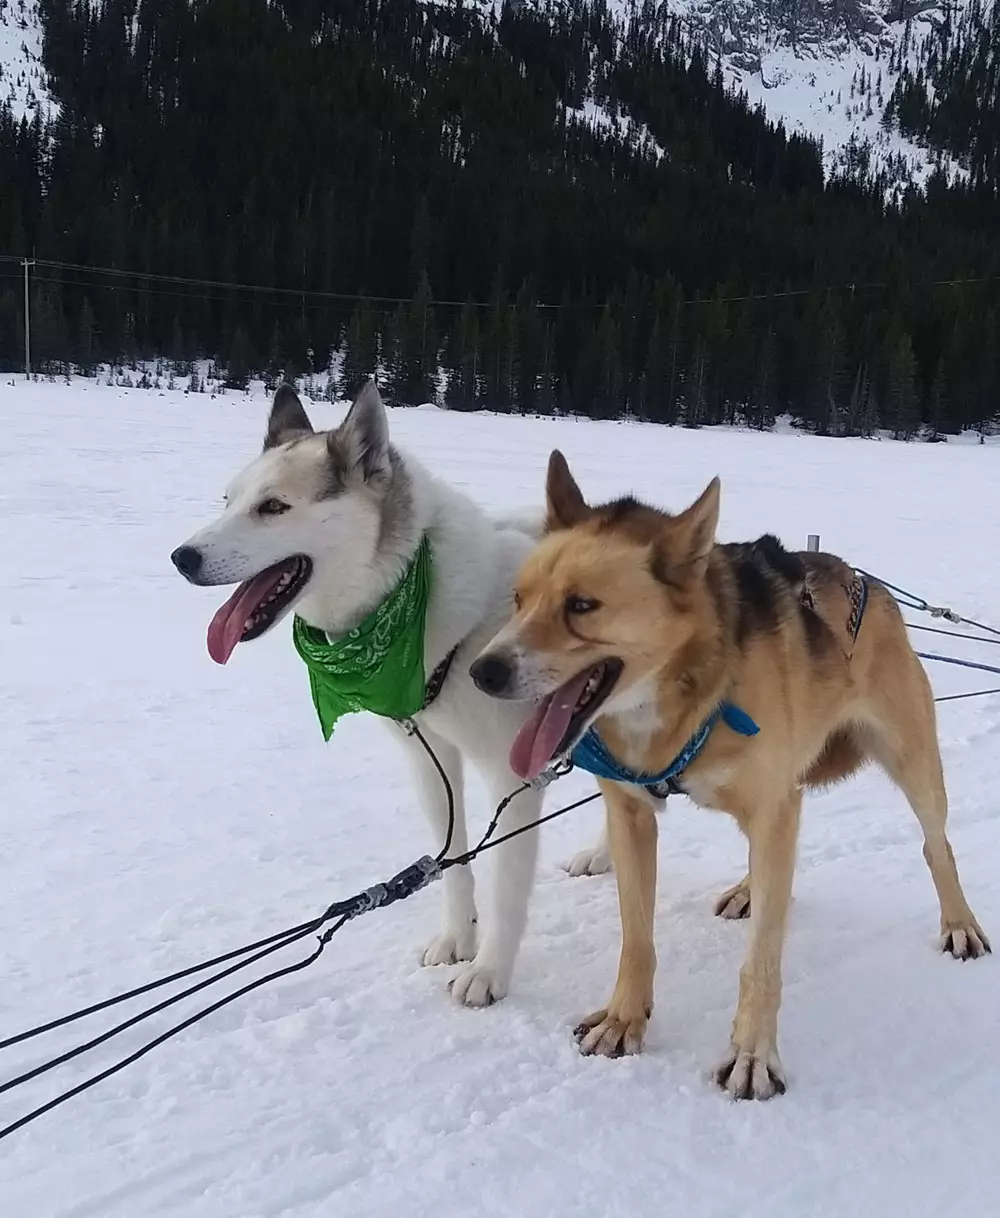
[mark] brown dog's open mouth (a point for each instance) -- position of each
(256, 605)
(559, 719)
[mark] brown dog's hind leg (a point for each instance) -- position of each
(735, 902)
(904, 742)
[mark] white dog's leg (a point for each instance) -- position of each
(486, 979)
(457, 941)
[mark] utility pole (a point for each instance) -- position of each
(26, 263)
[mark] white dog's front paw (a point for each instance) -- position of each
(450, 947)
(594, 861)
(479, 984)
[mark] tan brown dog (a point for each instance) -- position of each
(639, 623)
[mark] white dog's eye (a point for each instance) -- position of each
(272, 507)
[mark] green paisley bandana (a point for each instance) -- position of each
(379, 665)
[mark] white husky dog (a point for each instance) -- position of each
(329, 523)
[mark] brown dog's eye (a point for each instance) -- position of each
(272, 507)
(581, 604)
(517, 600)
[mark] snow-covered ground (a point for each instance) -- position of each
(158, 809)
(22, 80)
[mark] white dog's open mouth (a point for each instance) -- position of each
(256, 605)
(559, 720)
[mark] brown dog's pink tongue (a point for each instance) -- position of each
(532, 750)
(226, 629)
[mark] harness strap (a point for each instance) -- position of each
(436, 680)
(592, 754)
(857, 601)
(857, 596)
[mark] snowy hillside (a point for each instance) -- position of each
(824, 69)
(22, 80)
(829, 76)
(158, 809)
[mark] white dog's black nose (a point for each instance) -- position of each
(187, 560)
(492, 674)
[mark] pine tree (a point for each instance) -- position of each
(463, 360)
(902, 409)
(412, 350)
(361, 351)
(513, 366)
(655, 401)
(696, 390)
(397, 350)
(763, 397)
(608, 395)
(86, 330)
(496, 390)
(937, 401)
(825, 406)
(239, 364)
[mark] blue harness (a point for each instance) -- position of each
(592, 754)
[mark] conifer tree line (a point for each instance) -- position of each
(428, 180)
(948, 93)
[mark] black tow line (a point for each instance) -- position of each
(402, 885)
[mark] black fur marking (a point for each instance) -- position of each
(787, 565)
(759, 601)
(618, 508)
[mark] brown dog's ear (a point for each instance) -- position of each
(698, 523)
(687, 540)
(564, 502)
(288, 419)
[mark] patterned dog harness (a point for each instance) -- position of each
(592, 754)
(857, 601)
(857, 597)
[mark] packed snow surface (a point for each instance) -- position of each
(159, 809)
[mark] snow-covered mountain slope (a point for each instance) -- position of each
(826, 68)
(22, 79)
(823, 67)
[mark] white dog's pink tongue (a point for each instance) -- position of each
(226, 629)
(532, 750)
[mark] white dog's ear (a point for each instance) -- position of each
(362, 441)
(288, 419)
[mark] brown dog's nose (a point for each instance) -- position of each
(492, 674)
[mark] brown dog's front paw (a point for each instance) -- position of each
(965, 941)
(611, 1033)
(751, 1076)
